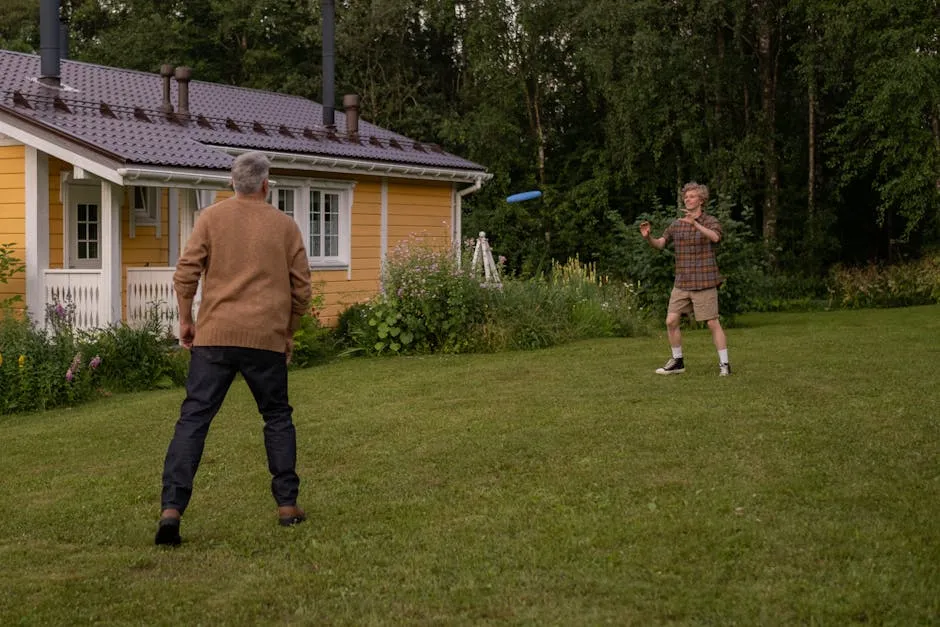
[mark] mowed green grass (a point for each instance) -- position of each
(569, 486)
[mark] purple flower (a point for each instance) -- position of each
(69, 375)
(95, 362)
(59, 310)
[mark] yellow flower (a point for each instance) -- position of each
(21, 360)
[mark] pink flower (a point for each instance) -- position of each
(95, 362)
(69, 375)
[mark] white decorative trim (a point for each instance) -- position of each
(110, 253)
(195, 179)
(37, 230)
(383, 224)
(173, 226)
(56, 148)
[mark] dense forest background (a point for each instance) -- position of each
(816, 121)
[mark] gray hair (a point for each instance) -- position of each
(249, 172)
(698, 188)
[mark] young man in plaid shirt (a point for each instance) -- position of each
(694, 238)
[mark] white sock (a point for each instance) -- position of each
(677, 352)
(723, 356)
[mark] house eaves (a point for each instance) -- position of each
(318, 163)
(30, 132)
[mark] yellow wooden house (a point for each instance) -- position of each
(103, 172)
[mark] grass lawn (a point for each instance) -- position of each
(569, 486)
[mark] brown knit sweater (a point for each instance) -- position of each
(256, 278)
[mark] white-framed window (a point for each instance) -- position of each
(285, 201)
(84, 226)
(145, 202)
(322, 211)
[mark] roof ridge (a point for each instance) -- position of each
(156, 75)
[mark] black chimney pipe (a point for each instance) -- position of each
(63, 40)
(329, 59)
(49, 43)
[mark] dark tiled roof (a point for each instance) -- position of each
(118, 112)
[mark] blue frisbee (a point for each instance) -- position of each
(524, 196)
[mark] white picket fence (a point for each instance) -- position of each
(151, 290)
(78, 288)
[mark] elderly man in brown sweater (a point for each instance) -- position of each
(256, 286)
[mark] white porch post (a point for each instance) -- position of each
(111, 195)
(37, 230)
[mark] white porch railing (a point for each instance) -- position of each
(78, 288)
(152, 289)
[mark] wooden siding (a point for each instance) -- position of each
(56, 234)
(13, 212)
(145, 249)
(418, 209)
(415, 209)
(338, 289)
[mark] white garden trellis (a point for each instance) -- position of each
(483, 254)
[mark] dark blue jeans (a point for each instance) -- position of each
(211, 372)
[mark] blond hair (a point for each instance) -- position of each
(698, 188)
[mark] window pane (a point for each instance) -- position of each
(82, 231)
(140, 198)
(92, 213)
(82, 250)
(82, 212)
(331, 219)
(285, 201)
(92, 250)
(93, 231)
(315, 223)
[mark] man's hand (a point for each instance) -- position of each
(289, 350)
(187, 334)
(645, 229)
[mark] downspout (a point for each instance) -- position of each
(457, 235)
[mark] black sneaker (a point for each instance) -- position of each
(673, 366)
(168, 532)
(724, 370)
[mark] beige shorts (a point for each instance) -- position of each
(704, 303)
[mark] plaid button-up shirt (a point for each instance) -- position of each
(696, 268)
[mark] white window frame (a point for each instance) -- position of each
(147, 214)
(302, 189)
(82, 194)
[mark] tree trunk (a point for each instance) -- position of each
(768, 70)
(811, 142)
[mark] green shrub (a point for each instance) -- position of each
(898, 285)
(10, 265)
(40, 370)
(571, 303)
(430, 302)
(313, 343)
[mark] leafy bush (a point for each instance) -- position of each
(313, 343)
(140, 358)
(898, 285)
(39, 370)
(572, 302)
(431, 302)
(9, 266)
